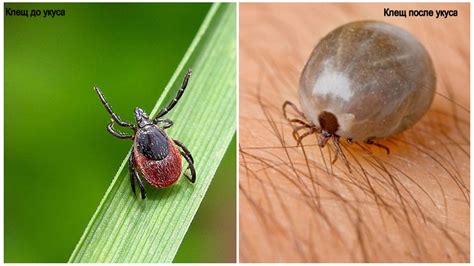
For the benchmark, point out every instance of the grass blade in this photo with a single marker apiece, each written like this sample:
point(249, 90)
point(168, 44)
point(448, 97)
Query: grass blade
point(125, 229)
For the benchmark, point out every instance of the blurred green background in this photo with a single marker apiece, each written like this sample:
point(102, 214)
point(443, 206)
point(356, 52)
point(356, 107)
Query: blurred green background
point(59, 158)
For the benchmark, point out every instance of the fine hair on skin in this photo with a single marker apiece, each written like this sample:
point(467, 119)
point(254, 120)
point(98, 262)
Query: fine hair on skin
point(299, 205)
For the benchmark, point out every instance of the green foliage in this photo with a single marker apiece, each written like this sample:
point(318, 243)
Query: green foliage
point(125, 229)
point(59, 159)
point(212, 235)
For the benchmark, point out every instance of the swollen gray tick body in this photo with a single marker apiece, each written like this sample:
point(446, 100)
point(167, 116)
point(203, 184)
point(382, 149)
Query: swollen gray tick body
point(365, 80)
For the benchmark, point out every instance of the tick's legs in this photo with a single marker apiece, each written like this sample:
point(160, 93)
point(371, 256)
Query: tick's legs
point(324, 137)
point(170, 106)
point(191, 178)
point(115, 117)
point(111, 129)
point(303, 124)
point(166, 123)
point(131, 169)
point(292, 105)
point(134, 176)
point(340, 153)
point(372, 142)
point(181, 145)
point(299, 138)
point(189, 158)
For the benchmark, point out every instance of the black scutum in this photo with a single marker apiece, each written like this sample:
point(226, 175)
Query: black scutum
point(152, 142)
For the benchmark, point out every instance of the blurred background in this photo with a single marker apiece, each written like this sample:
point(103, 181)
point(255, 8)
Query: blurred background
point(59, 158)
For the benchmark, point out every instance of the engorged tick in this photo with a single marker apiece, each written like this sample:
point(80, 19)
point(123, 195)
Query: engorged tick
point(365, 80)
point(155, 155)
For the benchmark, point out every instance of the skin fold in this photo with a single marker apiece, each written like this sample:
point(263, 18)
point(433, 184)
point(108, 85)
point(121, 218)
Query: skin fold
point(412, 205)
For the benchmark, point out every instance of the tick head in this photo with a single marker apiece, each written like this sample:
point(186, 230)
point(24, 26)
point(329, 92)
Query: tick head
point(141, 117)
point(328, 122)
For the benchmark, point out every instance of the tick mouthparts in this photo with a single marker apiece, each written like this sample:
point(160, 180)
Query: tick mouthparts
point(139, 112)
point(322, 140)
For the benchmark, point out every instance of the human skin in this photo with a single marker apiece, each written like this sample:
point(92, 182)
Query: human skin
point(411, 205)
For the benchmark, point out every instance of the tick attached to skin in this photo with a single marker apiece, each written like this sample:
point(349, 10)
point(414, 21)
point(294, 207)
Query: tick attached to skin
point(365, 80)
point(155, 155)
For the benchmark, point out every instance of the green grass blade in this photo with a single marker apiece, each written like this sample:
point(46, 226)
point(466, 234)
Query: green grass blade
point(126, 229)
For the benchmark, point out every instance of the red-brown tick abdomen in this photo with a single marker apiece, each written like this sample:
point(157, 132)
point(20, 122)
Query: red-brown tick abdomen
point(160, 173)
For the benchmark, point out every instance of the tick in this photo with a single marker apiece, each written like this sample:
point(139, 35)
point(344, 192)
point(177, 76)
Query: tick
point(364, 81)
point(155, 155)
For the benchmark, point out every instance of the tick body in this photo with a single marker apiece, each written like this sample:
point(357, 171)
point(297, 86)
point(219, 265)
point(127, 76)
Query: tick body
point(365, 80)
point(155, 155)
